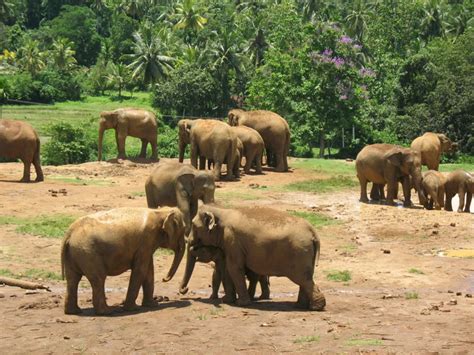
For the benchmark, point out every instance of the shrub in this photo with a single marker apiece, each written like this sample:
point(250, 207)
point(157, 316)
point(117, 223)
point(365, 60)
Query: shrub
point(167, 142)
point(68, 145)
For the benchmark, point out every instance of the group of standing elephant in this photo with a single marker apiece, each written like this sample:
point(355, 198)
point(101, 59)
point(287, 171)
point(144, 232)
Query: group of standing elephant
point(387, 164)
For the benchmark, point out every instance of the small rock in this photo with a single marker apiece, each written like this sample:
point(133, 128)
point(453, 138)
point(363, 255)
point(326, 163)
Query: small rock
point(330, 330)
point(452, 224)
point(425, 312)
point(450, 291)
point(436, 225)
point(435, 232)
point(468, 295)
point(458, 293)
point(66, 337)
point(386, 251)
point(453, 302)
point(2, 295)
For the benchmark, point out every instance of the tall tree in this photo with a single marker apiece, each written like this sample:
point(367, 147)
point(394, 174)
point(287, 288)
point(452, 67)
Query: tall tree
point(188, 16)
point(30, 57)
point(62, 55)
point(118, 76)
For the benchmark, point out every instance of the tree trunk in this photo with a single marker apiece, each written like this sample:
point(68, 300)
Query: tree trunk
point(321, 144)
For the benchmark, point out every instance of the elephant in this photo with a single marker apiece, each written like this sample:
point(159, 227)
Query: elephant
point(238, 157)
point(253, 147)
point(216, 255)
point(430, 146)
point(273, 129)
point(110, 242)
point(210, 139)
point(389, 164)
point(433, 187)
point(462, 183)
point(130, 122)
point(266, 241)
point(18, 140)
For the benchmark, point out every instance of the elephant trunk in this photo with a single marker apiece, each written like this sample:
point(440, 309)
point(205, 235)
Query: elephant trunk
point(182, 148)
point(190, 262)
point(101, 138)
point(416, 182)
point(178, 256)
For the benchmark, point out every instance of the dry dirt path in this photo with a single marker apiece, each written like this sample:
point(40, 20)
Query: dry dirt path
point(401, 297)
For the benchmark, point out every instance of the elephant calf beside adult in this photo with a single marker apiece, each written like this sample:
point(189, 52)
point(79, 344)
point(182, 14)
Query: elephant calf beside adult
point(462, 183)
point(430, 146)
point(18, 140)
point(273, 129)
point(252, 147)
point(132, 122)
point(389, 164)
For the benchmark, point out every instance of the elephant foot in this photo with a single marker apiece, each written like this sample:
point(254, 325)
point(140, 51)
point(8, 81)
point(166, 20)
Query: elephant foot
point(264, 296)
point(243, 302)
point(131, 307)
point(214, 296)
point(39, 178)
point(25, 179)
point(318, 303)
point(229, 177)
point(228, 299)
point(103, 311)
point(407, 203)
point(364, 200)
point(183, 290)
point(150, 303)
point(72, 310)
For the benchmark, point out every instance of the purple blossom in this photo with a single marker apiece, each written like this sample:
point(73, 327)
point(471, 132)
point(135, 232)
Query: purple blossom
point(345, 39)
point(357, 46)
point(327, 52)
point(343, 97)
point(338, 61)
point(366, 72)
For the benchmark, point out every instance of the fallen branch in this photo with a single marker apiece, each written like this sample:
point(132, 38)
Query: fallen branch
point(23, 284)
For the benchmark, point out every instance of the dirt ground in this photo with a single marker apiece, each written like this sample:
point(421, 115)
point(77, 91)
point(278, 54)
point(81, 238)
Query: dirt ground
point(406, 294)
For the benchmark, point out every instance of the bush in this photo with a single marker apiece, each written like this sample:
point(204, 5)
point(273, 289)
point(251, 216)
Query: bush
point(68, 145)
point(167, 142)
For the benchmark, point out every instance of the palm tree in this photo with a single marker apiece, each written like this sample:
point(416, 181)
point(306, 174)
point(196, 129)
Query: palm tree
point(117, 76)
point(187, 14)
point(149, 60)
point(62, 56)
point(457, 24)
point(6, 8)
point(98, 5)
point(133, 8)
point(357, 20)
point(30, 58)
point(433, 24)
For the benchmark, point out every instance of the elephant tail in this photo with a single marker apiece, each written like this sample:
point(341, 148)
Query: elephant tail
point(64, 250)
point(149, 194)
point(316, 248)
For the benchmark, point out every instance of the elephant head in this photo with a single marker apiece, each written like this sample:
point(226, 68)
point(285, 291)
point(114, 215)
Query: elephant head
point(108, 120)
point(409, 164)
point(234, 117)
point(446, 143)
point(184, 130)
point(174, 228)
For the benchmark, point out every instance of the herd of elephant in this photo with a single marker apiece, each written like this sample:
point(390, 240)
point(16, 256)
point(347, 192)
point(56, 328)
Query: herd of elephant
point(387, 164)
point(251, 243)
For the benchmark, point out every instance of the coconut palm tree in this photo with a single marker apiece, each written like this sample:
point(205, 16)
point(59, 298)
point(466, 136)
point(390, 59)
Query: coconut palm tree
point(458, 23)
point(188, 16)
point(6, 9)
point(357, 20)
point(30, 57)
point(61, 54)
point(150, 60)
point(117, 77)
point(433, 23)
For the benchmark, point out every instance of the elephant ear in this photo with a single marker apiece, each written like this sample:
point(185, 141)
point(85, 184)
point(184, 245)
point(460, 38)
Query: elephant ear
point(187, 182)
point(170, 224)
point(395, 157)
point(210, 220)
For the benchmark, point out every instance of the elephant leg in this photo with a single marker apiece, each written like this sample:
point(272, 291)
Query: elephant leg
point(264, 285)
point(249, 159)
point(98, 295)
point(229, 289)
point(441, 196)
point(139, 271)
point(363, 188)
point(217, 169)
point(467, 208)
point(121, 138)
point(280, 165)
point(406, 191)
point(392, 188)
point(154, 149)
point(218, 274)
point(70, 303)
point(26, 170)
point(194, 155)
point(258, 163)
point(202, 163)
point(143, 150)
point(375, 192)
point(461, 194)
point(316, 298)
point(148, 286)
point(37, 165)
point(253, 279)
point(448, 206)
point(237, 274)
point(303, 300)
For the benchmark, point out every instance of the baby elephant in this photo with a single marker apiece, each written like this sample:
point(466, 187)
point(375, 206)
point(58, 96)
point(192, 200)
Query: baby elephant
point(112, 242)
point(433, 188)
point(208, 254)
point(266, 241)
point(462, 183)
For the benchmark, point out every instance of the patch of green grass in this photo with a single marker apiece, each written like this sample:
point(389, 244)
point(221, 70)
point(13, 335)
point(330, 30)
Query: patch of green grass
point(53, 226)
point(327, 166)
point(452, 167)
point(31, 274)
point(364, 342)
point(411, 295)
point(334, 183)
point(339, 276)
point(416, 271)
point(307, 339)
point(78, 181)
point(316, 220)
point(348, 247)
point(236, 195)
point(164, 251)
point(215, 311)
point(138, 193)
point(202, 317)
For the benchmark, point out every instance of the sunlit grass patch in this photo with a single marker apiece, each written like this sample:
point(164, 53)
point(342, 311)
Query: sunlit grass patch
point(243, 195)
point(53, 226)
point(416, 271)
point(339, 276)
point(327, 166)
point(334, 183)
point(307, 339)
point(316, 219)
point(364, 342)
point(78, 181)
point(411, 295)
point(31, 274)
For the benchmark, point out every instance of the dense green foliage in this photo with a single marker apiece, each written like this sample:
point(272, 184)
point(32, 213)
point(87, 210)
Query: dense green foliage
point(389, 70)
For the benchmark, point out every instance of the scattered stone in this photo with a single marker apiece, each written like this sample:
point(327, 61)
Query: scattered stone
point(349, 160)
point(265, 325)
point(445, 310)
point(425, 312)
point(2, 295)
point(458, 293)
point(66, 337)
point(453, 302)
point(434, 232)
point(452, 224)
point(31, 292)
point(389, 296)
point(330, 330)
point(436, 225)
point(59, 320)
point(386, 251)
point(450, 291)
point(130, 197)
point(468, 295)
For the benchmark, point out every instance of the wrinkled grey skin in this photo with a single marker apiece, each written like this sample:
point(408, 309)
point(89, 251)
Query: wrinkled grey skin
point(216, 255)
point(433, 188)
point(462, 183)
point(175, 184)
point(266, 241)
point(389, 164)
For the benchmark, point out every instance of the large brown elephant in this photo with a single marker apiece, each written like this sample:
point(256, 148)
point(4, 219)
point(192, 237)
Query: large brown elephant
point(253, 147)
point(132, 122)
point(111, 242)
point(430, 146)
point(267, 242)
point(274, 130)
point(389, 164)
point(18, 140)
point(210, 139)
point(433, 187)
point(462, 183)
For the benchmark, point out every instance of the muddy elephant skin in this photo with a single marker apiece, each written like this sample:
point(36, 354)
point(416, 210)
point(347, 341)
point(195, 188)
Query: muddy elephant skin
point(433, 188)
point(267, 242)
point(462, 183)
point(430, 146)
point(18, 140)
point(112, 242)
